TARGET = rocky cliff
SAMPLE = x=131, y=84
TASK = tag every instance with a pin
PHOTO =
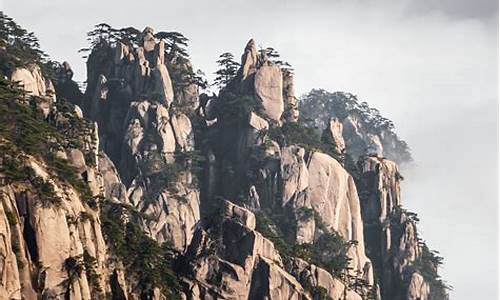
x=140, y=187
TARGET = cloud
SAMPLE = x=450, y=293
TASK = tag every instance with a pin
x=481, y=9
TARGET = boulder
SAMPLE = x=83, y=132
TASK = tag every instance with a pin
x=257, y=122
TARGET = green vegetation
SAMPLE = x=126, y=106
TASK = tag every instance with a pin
x=160, y=174
x=235, y=108
x=74, y=267
x=22, y=130
x=228, y=68
x=21, y=48
x=319, y=106
x=179, y=67
x=306, y=137
x=152, y=263
x=11, y=217
x=273, y=55
x=428, y=262
x=90, y=264
x=329, y=251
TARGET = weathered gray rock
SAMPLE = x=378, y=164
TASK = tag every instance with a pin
x=121, y=52
x=247, y=268
x=385, y=187
x=268, y=88
x=163, y=85
x=183, y=131
x=314, y=276
x=242, y=215
x=334, y=131
x=173, y=215
x=112, y=184
x=397, y=232
x=291, y=108
x=257, y=122
x=249, y=59
x=294, y=174
x=334, y=197
x=32, y=81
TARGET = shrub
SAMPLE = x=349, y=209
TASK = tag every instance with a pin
x=141, y=255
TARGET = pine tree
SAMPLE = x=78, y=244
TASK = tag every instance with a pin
x=227, y=69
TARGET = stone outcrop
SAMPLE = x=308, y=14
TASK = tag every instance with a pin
x=131, y=96
x=236, y=262
x=291, y=113
x=269, y=89
x=394, y=244
x=315, y=277
x=249, y=60
x=46, y=237
x=334, y=131
x=333, y=195
x=34, y=83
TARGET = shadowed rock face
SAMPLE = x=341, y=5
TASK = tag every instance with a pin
x=248, y=267
x=394, y=244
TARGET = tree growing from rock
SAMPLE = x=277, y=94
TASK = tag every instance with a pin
x=227, y=69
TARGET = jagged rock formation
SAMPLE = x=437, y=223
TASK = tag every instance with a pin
x=395, y=245
x=233, y=261
x=364, y=130
x=316, y=193
x=130, y=94
x=151, y=191
x=50, y=224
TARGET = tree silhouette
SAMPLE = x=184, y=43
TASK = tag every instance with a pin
x=227, y=69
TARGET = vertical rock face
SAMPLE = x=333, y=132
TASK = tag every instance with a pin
x=131, y=96
x=358, y=141
x=394, y=245
x=249, y=60
x=32, y=81
x=335, y=132
x=269, y=89
x=245, y=266
x=291, y=108
x=48, y=230
x=334, y=197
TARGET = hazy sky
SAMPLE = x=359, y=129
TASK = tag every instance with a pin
x=431, y=66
